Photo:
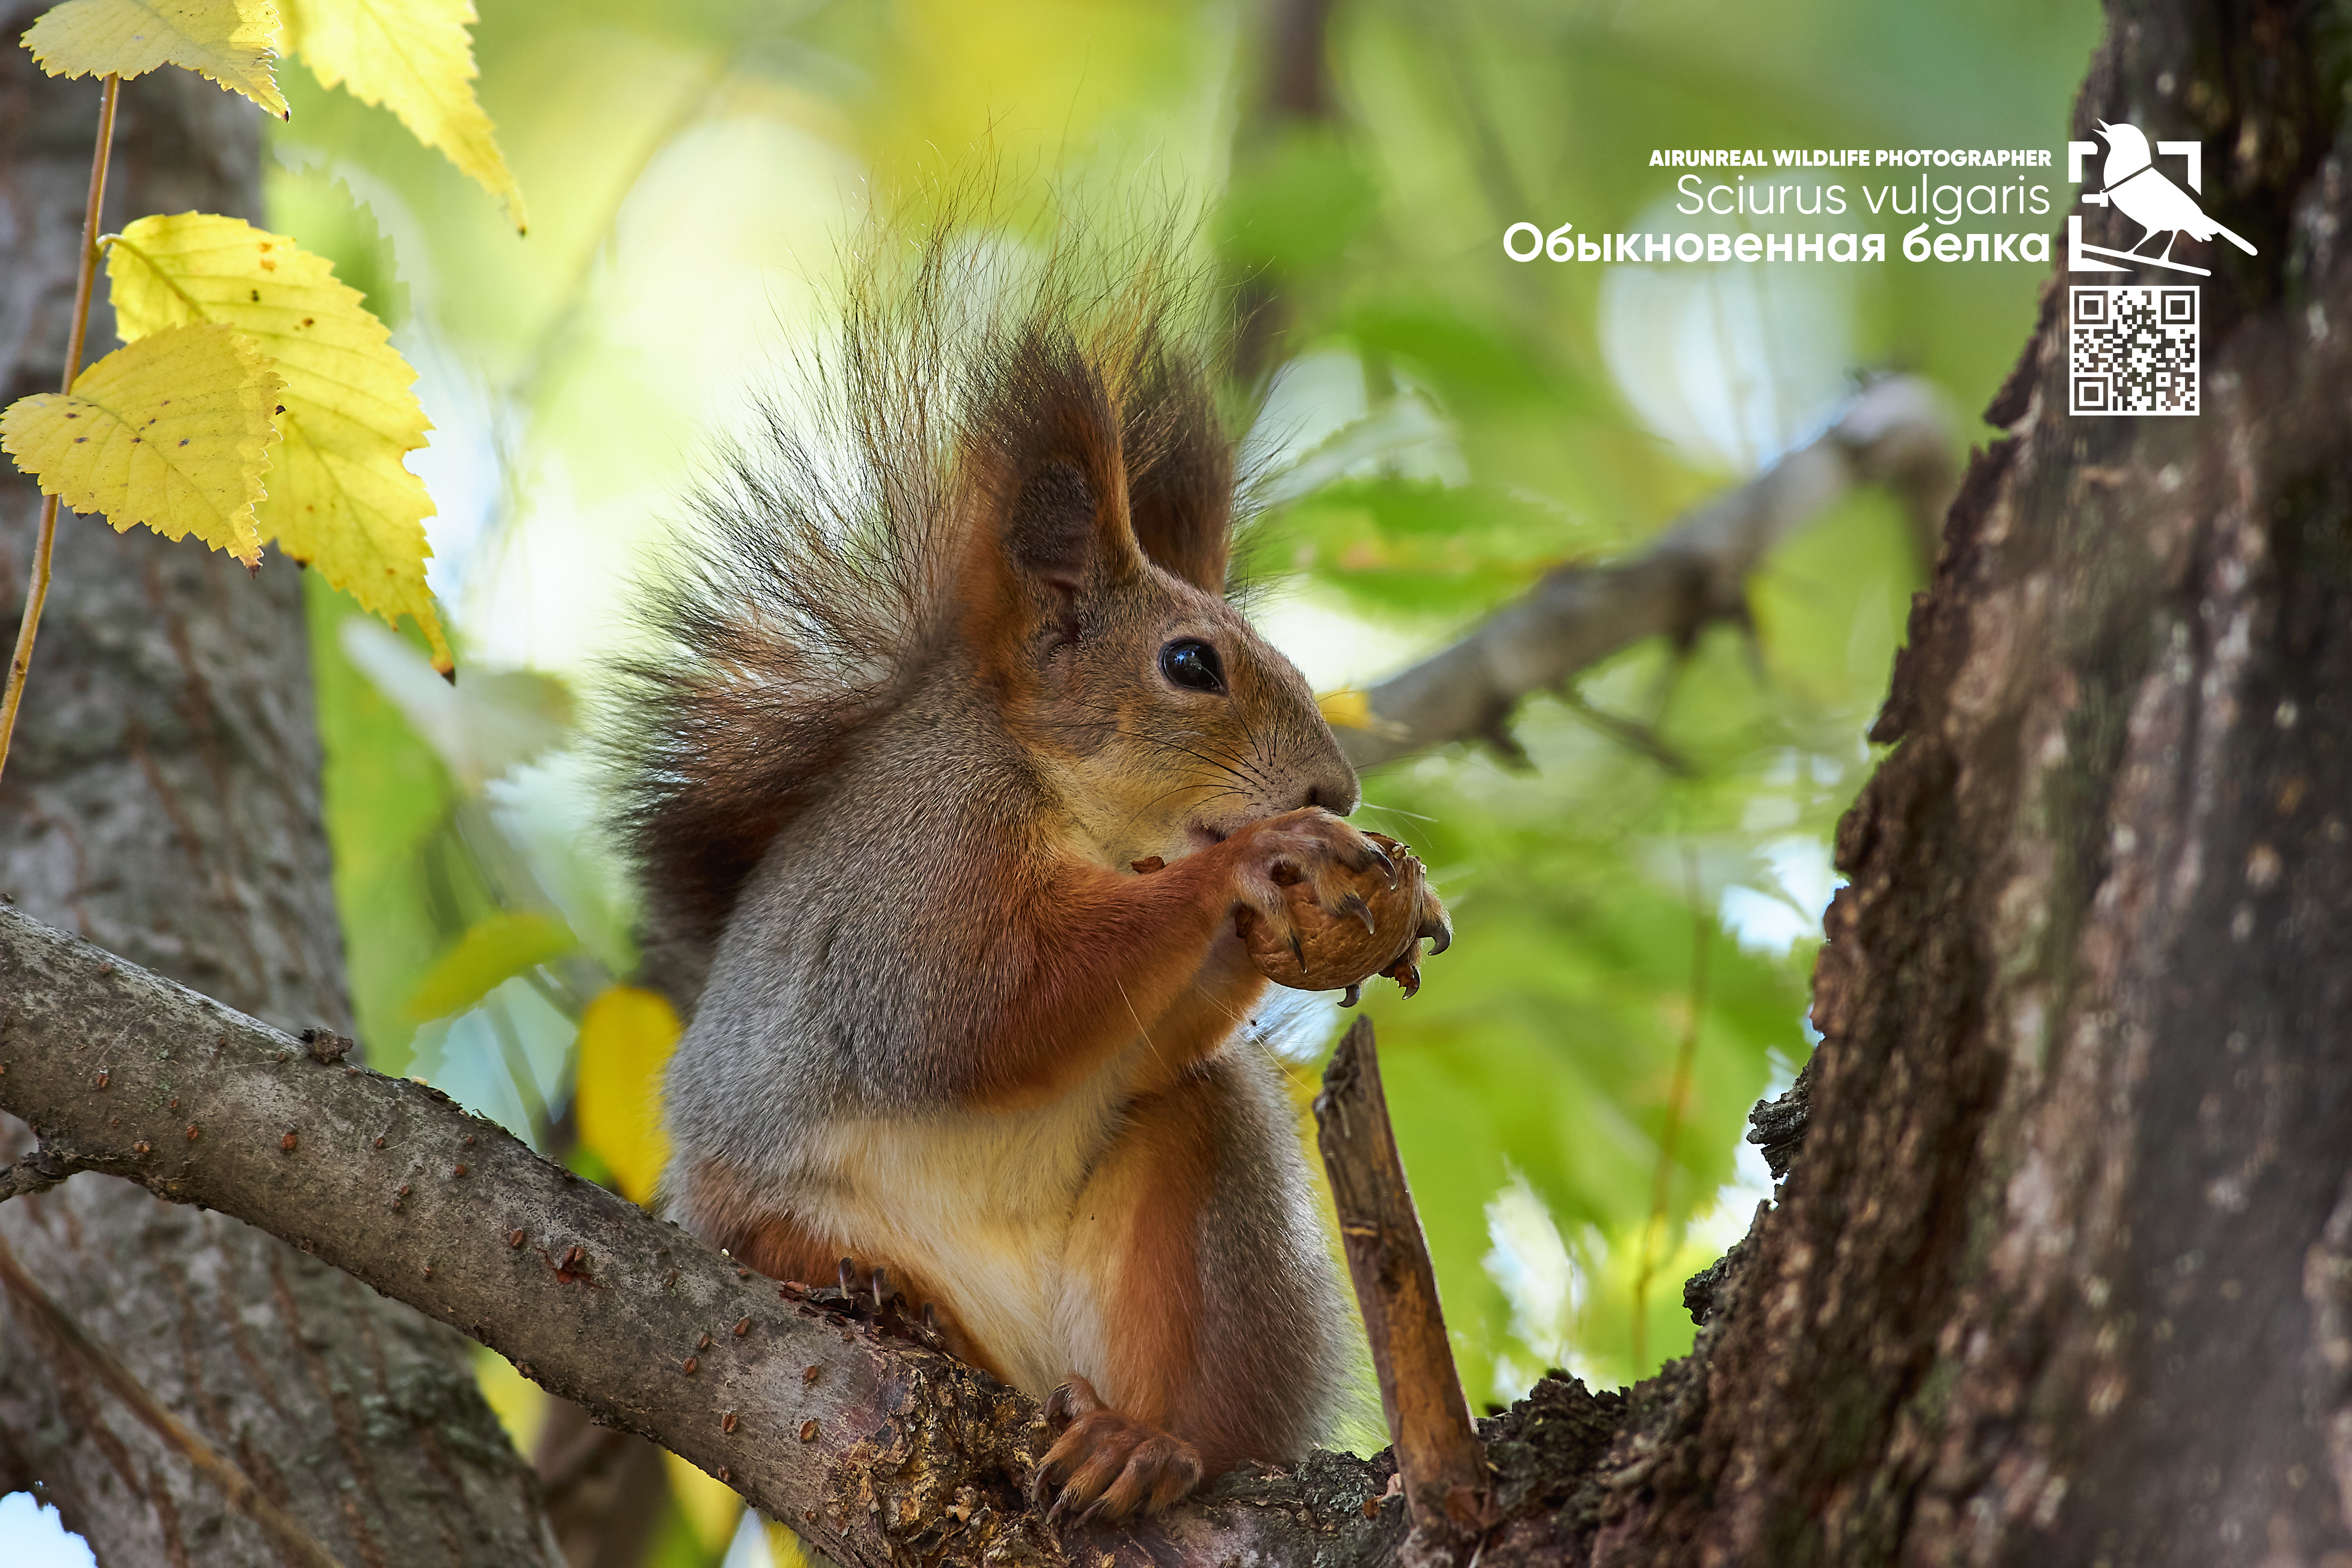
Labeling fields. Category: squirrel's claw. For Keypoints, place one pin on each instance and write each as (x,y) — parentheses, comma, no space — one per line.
(1309,880)
(1406,970)
(867,1296)
(1105,1466)
(1067,1403)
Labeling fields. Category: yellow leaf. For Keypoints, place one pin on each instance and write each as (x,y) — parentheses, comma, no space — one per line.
(1347,708)
(172,432)
(341,496)
(497,949)
(231,41)
(359,517)
(414,57)
(625,1039)
(784,1546)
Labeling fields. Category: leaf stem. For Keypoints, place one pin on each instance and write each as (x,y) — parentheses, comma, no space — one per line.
(37,590)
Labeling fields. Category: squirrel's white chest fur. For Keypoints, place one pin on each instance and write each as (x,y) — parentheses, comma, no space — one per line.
(979,1205)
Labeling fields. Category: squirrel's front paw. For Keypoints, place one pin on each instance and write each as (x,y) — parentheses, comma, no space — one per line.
(1324,905)
(1107,1466)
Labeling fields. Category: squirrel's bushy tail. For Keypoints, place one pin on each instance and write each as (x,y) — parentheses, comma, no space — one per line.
(809,583)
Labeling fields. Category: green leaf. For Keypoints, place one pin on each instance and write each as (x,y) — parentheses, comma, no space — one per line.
(1296,202)
(1463,359)
(492,952)
(1417,547)
(488,722)
(388,802)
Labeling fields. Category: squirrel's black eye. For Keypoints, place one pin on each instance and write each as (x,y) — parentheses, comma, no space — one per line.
(1193,665)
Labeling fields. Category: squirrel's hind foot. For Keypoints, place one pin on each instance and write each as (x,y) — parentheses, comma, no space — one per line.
(868,1297)
(1107,1466)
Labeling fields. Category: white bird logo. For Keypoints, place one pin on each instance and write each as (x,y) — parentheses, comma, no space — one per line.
(2134,187)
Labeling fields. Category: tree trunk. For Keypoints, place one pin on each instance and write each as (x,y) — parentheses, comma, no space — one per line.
(162,799)
(2064,1272)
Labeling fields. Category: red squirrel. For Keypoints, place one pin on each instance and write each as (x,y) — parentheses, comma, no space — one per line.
(958,765)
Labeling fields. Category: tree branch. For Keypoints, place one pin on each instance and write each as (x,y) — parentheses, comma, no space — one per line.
(36,1172)
(1896,432)
(879,1451)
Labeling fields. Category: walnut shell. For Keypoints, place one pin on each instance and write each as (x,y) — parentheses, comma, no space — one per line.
(1333,948)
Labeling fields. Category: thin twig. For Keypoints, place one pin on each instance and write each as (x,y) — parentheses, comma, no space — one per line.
(235,1484)
(1630,733)
(37,591)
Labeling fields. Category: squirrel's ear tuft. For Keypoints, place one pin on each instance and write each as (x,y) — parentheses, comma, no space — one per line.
(1043,451)
(1049,530)
(1180,473)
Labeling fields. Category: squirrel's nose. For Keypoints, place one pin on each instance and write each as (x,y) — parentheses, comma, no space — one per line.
(1337,794)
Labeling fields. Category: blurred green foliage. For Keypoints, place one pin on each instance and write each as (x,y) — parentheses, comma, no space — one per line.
(1442,425)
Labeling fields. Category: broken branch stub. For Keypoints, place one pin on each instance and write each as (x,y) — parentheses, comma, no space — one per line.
(1440,1462)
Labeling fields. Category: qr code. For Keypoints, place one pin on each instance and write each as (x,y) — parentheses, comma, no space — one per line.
(2133,350)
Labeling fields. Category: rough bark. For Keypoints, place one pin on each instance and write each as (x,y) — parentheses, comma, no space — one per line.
(162,799)
(2061,1274)
(66,1344)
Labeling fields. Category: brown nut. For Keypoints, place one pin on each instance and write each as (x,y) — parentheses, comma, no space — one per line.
(1377,930)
